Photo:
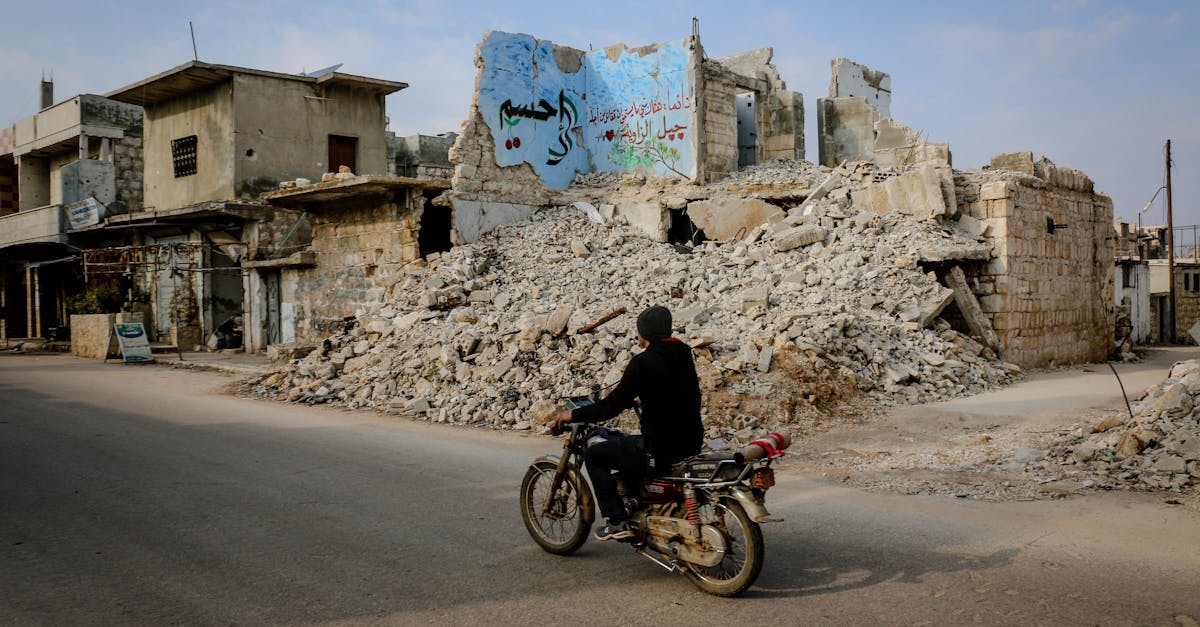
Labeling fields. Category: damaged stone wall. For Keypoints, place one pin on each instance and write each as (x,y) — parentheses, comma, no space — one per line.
(360,252)
(1049,287)
(719,120)
(564,111)
(420,156)
(854,123)
(780,113)
(485,195)
(127,154)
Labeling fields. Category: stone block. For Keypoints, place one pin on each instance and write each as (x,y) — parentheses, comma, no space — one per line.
(556,322)
(796,237)
(994,190)
(288,351)
(755,297)
(723,219)
(1015,161)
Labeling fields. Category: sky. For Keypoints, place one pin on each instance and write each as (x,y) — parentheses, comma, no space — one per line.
(1095,85)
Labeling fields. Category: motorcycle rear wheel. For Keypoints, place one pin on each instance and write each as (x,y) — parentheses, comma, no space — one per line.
(564,528)
(743,556)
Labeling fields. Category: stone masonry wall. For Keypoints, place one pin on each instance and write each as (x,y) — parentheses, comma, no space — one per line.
(477,177)
(127,153)
(360,253)
(1187,306)
(1048,291)
(720,122)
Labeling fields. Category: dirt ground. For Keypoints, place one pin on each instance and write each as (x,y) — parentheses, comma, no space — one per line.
(979,447)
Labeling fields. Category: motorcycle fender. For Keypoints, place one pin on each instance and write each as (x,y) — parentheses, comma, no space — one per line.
(587,502)
(754,507)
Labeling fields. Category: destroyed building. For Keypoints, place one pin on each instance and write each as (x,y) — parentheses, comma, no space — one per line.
(886,273)
(543,113)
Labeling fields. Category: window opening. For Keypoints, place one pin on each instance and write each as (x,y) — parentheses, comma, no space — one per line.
(183,155)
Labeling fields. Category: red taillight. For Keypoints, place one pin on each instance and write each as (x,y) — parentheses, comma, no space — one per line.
(764,478)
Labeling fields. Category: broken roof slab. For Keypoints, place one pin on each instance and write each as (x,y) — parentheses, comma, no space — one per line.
(333,192)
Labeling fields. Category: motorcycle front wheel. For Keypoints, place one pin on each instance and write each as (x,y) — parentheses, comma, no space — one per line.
(563,528)
(743,555)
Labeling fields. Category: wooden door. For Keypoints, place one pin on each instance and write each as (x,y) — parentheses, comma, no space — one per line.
(342,152)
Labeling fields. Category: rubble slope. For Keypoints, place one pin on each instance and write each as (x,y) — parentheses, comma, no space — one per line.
(486,333)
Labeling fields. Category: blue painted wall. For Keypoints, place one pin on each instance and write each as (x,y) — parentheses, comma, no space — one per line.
(633,112)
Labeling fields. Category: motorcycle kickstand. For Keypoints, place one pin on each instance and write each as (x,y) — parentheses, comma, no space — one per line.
(670,567)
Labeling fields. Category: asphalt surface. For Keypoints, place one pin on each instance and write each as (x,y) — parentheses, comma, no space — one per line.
(143,495)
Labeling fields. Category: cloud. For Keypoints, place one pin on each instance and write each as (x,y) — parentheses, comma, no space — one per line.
(1020,55)
(1069,6)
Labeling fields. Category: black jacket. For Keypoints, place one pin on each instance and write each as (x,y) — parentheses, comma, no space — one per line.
(663,377)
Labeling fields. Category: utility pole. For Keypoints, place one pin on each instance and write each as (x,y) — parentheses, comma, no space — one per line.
(1170,251)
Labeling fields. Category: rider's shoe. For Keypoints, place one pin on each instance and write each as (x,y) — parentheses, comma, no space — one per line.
(614,531)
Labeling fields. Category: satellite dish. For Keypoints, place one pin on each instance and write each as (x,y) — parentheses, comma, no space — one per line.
(322,71)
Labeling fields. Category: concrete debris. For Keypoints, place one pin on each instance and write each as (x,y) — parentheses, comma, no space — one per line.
(483,334)
(1158,449)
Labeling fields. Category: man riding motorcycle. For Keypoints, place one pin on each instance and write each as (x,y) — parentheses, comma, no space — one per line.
(663,378)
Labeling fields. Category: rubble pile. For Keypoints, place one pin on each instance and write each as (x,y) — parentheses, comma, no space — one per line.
(1158,449)
(487,333)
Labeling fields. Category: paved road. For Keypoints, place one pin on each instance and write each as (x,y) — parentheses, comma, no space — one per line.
(138,495)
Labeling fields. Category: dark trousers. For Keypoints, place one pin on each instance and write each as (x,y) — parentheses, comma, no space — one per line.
(625,455)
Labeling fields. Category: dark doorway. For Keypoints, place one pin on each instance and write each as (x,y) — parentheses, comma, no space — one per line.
(683,230)
(226,298)
(342,152)
(1164,319)
(434,233)
(13,300)
(274,331)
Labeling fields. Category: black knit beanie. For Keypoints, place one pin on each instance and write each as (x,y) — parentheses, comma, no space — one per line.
(654,323)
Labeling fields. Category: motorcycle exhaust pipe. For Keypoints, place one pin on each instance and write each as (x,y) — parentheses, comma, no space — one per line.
(770,446)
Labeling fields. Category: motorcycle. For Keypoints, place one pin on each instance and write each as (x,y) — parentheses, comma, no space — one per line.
(701,520)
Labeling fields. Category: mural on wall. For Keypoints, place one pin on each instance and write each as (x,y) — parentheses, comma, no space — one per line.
(640,111)
(631,112)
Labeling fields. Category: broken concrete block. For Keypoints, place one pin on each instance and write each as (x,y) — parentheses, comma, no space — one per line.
(764,359)
(1015,161)
(481,296)
(724,219)
(579,249)
(755,297)
(832,181)
(674,203)
(934,304)
(796,237)
(556,322)
(968,305)
(689,315)
(973,226)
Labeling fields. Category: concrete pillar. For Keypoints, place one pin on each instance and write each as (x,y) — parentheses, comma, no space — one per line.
(28,301)
(37,305)
(106,149)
